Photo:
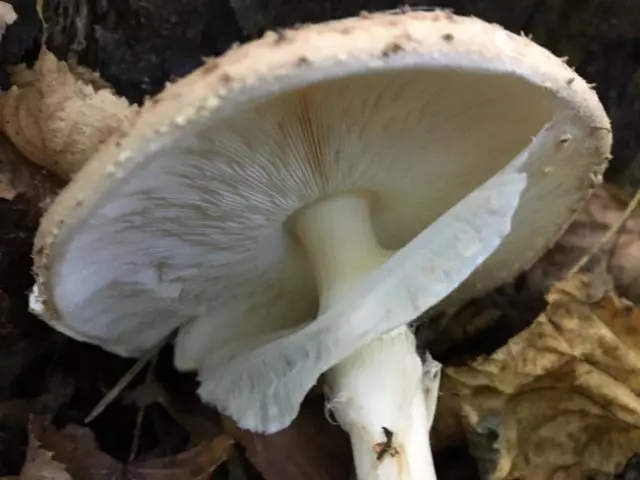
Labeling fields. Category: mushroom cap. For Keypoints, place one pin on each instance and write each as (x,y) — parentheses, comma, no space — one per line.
(182,220)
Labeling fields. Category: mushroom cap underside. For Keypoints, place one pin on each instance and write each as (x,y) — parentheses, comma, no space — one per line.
(183,220)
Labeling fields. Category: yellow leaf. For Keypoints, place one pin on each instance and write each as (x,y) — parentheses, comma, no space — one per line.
(562,399)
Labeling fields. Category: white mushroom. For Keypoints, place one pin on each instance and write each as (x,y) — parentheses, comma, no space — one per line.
(292,205)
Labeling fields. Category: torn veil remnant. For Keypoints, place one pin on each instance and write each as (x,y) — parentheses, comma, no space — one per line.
(293,204)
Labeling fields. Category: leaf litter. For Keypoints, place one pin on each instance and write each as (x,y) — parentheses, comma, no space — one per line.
(562,399)
(73,452)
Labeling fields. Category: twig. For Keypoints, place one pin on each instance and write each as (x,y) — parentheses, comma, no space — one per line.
(607,236)
(124,381)
(137,433)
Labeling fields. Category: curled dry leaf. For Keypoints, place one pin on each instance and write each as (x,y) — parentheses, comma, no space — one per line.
(562,399)
(7,16)
(74,450)
(621,254)
(57,119)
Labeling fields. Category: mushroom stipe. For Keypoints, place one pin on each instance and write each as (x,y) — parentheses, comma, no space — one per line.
(293,204)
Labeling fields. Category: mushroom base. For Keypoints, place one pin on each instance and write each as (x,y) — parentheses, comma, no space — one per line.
(385,398)
(378,392)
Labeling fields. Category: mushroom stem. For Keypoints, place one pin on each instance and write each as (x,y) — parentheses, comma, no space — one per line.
(341,245)
(377,393)
(379,397)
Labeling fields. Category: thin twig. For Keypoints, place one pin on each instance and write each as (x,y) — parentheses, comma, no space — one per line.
(137,433)
(607,236)
(125,380)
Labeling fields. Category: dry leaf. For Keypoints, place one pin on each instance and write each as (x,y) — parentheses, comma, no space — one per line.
(561,400)
(7,16)
(74,448)
(621,254)
(39,464)
(58,120)
(311,448)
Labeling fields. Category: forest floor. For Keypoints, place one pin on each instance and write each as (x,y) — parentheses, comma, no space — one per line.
(567,406)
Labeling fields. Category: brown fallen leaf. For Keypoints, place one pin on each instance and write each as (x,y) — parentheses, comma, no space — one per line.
(621,254)
(311,448)
(74,451)
(561,400)
(7,16)
(39,464)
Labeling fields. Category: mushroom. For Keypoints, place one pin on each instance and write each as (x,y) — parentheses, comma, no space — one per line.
(293,205)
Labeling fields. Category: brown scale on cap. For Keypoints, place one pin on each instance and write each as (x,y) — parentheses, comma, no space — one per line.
(281,36)
(391,49)
(565,139)
(226,78)
(210,65)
